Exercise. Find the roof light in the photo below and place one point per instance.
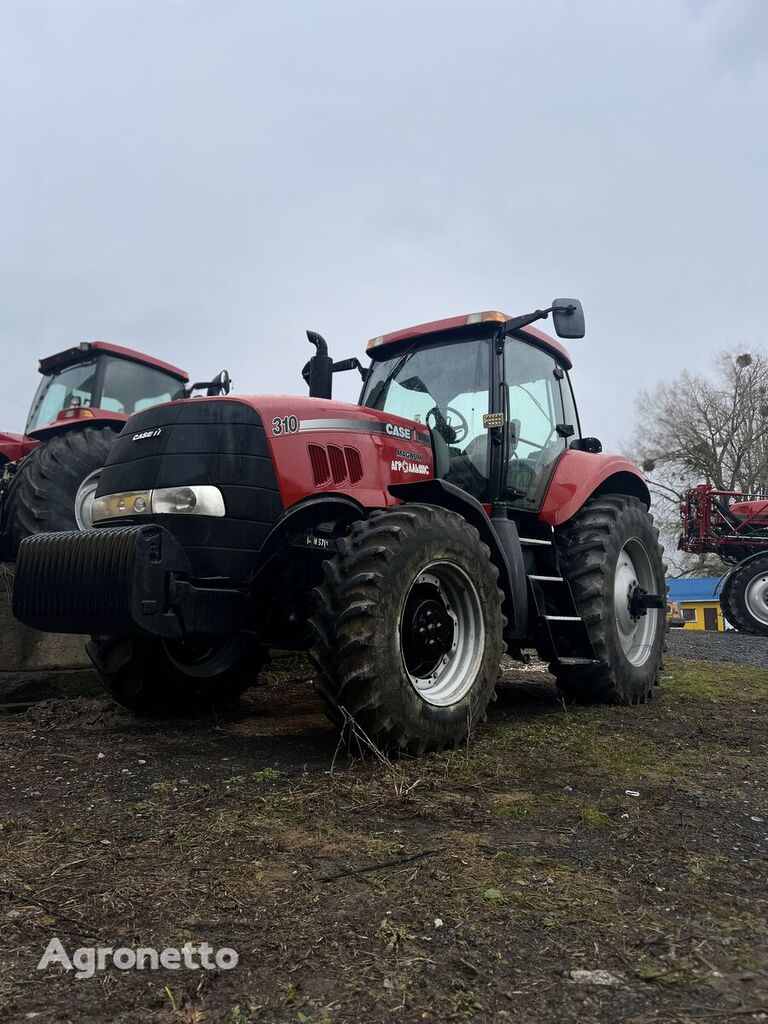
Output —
(76, 412)
(451, 324)
(490, 315)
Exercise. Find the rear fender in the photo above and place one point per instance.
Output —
(579, 476)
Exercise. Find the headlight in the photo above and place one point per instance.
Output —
(195, 500)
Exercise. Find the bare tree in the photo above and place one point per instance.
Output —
(704, 429)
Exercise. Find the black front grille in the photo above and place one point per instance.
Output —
(203, 441)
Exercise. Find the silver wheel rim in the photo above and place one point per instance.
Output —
(86, 492)
(455, 669)
(756, 598)
(204, 660)
(637, 633)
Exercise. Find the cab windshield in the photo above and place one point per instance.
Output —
(130, 387)
(444, 387)
(105, 382)
(73, 385)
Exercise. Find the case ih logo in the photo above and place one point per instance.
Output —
(404, 433)
(147, 433)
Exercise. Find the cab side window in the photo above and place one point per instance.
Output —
(570, 415)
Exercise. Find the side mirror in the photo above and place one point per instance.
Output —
(568, 318)
(220, 385)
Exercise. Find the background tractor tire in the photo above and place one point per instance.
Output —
(726, 607)
(744, 596)
(170, 677)
(607, 549)
(41, 497)
(408, 630)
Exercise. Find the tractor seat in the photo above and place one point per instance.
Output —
(755, 510)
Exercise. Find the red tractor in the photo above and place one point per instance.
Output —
(49, 474)
(733, 526)
(404, 541)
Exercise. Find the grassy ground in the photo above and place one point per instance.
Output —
(461, 887)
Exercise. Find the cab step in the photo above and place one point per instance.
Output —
(562, 631)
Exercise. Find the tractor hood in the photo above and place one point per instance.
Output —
(263, 454)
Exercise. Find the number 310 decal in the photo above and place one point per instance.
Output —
(284, 425)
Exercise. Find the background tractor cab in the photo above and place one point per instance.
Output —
(88, 392)
(96, 380)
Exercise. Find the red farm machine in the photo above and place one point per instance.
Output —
(49, 474)
(733, 526)
(404, 541)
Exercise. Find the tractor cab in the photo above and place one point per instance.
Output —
(96, 377)
(494, 394)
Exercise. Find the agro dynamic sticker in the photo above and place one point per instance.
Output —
(403, 466)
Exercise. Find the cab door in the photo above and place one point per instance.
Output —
(540, 421)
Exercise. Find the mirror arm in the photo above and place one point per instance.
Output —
(350, 364)
(538, 314)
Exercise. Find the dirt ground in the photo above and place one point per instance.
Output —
(465, 886)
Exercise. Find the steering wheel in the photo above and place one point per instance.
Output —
(535, 444)
(444, 425)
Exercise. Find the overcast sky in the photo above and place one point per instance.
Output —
(204, 179)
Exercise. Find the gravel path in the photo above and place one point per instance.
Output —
(704, 646)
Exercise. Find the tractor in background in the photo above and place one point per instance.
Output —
(49, 474)
(405, 542)
(734, 526)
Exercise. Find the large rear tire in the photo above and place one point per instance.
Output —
(163, 677)
(744, 596)
(408, 630)
(609, 553)
(42, 494)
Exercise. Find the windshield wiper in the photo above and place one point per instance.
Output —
(381, 388)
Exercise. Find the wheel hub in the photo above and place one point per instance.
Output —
(442, 633)
(204, 659)
(756, 598)
(432, 628)
(635, 609)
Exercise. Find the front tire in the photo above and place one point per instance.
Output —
(744, 597)
(163, 677)
(408, 629)
(43, 494)
(609, 553)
